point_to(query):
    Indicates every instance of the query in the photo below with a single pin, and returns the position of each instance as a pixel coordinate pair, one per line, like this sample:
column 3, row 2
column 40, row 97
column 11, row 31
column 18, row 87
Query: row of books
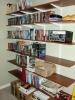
column 33, row 79
column 24, row 34
column 20, row 59
column 34, row 49
column 38, row 35
column 35, row 18
column 26, row 60
column 49, row 87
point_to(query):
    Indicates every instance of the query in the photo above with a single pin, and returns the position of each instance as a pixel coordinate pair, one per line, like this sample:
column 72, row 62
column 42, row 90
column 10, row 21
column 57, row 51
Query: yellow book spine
column 73, row 95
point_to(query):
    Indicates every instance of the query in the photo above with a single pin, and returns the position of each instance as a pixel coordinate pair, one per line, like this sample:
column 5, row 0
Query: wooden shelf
column 59, row 61
column 45, row 6
column 14, row 62
column 63, row 3
column 22, row 12
column 31, row 10
column 65, row 81
column 15, row 13
column 56, row 60
column 16, row 73
column 60, row 79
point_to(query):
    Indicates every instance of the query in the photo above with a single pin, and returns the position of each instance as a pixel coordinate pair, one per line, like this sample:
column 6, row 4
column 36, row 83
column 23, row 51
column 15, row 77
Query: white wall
column 5, row 77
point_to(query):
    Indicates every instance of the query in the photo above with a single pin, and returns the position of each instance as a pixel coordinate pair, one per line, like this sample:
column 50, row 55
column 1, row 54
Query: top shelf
column 31, row 10
column 64, row 3
column 22, row 12
column 46, row 6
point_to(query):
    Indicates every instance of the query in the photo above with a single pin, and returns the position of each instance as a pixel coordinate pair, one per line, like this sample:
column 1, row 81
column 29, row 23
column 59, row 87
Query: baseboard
column 4, row 86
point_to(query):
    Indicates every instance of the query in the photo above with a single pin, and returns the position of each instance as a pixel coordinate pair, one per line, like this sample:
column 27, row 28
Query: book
column 40, row 95
column 27, row 91
column 51, row 86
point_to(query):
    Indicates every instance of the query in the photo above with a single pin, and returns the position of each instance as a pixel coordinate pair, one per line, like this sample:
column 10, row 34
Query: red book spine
column 23, row 73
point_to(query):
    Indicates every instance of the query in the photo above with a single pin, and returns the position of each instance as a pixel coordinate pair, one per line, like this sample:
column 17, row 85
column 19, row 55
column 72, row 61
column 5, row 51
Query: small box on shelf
column 44, row 69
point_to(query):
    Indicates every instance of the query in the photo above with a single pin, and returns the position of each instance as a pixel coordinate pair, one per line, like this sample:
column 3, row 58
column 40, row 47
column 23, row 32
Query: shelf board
column 31, row 10
column 63, row 3
column 59, row 61
column 60, row 79
column 14, row 62
column 17, row 73
column 45, row 6
column 56, row 60
column 16, row 13
column 22, row 12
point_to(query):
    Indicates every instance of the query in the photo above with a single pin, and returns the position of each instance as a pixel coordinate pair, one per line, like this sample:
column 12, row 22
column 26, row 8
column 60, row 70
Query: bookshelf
column 64, row 81
column 57, row 78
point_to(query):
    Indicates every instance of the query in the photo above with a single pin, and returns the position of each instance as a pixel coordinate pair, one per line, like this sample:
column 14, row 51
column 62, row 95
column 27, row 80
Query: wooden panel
column 60, row 61
column 16, row 73
column 31, row 9
column 63, row 3
column 16, row 13
column 44, row 6
column 65, row 81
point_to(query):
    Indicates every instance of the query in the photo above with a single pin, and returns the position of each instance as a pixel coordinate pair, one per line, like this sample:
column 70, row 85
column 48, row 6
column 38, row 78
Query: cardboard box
column 43, row 68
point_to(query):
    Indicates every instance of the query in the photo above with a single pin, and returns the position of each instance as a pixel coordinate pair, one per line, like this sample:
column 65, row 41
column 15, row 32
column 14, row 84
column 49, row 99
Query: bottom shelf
column 60, row 79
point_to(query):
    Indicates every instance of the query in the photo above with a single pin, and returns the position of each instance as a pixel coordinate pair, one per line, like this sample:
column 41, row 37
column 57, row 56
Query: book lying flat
column 40, row 95
column 51, row 86
column 26, row 91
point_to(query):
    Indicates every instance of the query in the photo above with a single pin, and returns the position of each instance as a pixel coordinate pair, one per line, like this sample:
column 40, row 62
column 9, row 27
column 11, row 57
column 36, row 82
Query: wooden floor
column 5, row 94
